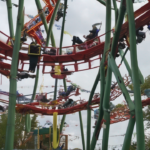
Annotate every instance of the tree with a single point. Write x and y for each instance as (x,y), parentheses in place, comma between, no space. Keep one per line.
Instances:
(20,136)
(144,86)
(133,146)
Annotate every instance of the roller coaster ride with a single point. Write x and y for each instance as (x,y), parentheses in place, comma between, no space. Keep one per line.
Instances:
(127,34)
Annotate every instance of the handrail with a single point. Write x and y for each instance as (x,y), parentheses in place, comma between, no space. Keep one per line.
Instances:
(124,29)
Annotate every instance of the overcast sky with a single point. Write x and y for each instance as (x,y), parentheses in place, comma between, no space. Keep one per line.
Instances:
(81,14)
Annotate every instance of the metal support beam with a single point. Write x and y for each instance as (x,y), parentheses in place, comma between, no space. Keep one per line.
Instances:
(128,135)
(35,84)
(125,62)
(141,78)
(10,19)
(102,2)
(88,136)
(135,76)
(27,123)
(102,73)
(52,22)
(62,29)
(62,123)
(118,27)
(108,78)
(89,111)
(9,142)
(64,116)
(116,11)
(82,132)
(42,14)
(106,109)
(114,68)
(55,91)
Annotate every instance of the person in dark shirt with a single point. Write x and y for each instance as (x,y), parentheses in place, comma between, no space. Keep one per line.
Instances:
(92,35)
(23,75)
(2,108)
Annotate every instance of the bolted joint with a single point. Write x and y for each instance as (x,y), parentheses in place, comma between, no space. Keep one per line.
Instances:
(40,11)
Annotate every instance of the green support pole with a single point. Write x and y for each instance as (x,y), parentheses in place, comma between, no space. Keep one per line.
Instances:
(62,29)
(89,111)
(118,27)
(62,123)
(108,79)
(65,86)
(64,116)
(22,25)
(106,109)
(51,22)
(125,62)
(9,142)
(96,131)
(141,78)
(114,68)
(55,91)
(41,14)
(102,73)
(116,11)
(27,123)
(35,84)
(60,52)
(94,88)
(102,2)
(135,76)
(10,19)
(53,40)
(49,32)
(82,132)
(128,135)
(88,136)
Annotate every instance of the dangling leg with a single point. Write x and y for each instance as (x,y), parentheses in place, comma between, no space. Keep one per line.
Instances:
(74,40)
(78,40)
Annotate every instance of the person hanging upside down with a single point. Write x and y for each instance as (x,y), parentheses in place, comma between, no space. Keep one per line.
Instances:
(92,35)
(24,34)
(68,103)
(23,75)
(69,90)
(2,108)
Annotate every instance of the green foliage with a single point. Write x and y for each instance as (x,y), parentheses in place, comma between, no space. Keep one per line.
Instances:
(111,106)
(118,106)
(133,146)
(130,86)
(146,116)
(19,136)
(3,122)
(144,86)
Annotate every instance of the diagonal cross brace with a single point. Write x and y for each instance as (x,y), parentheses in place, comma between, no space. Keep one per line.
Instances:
(115,70)
(141,78)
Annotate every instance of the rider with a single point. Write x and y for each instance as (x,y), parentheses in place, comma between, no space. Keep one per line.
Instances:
(23,75)
(92,35)
(69,90)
